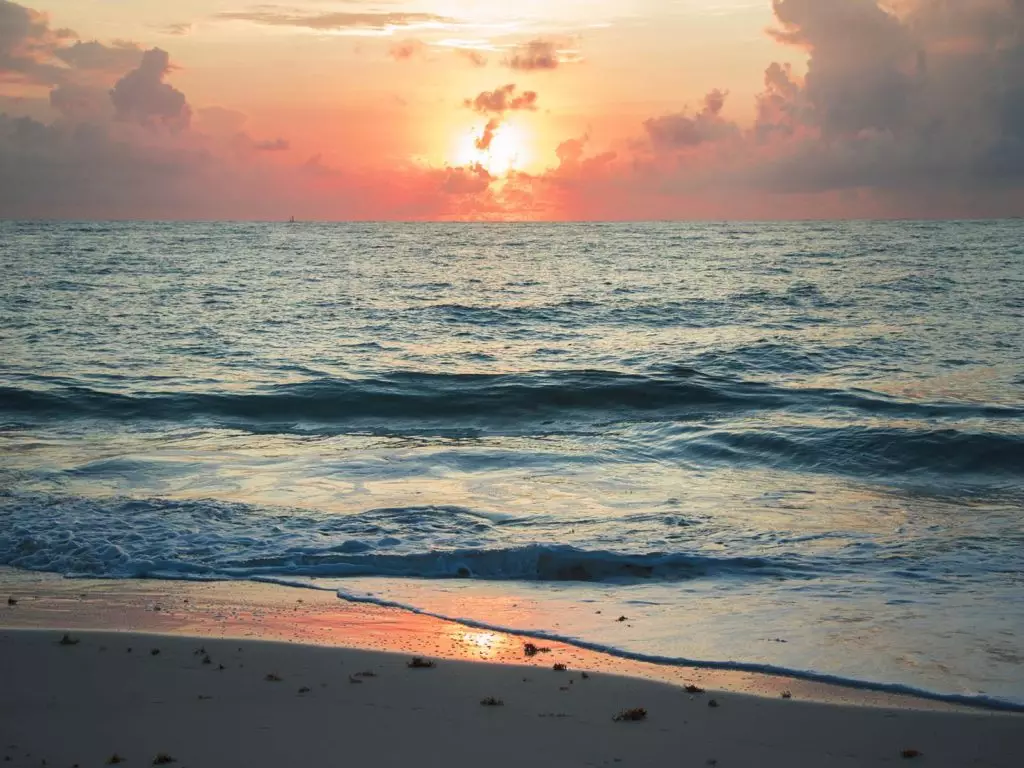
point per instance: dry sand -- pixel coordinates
(221, 702)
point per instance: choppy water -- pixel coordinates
(799, 445)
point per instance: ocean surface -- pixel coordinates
(791, 446)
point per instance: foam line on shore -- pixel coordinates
(982, 701)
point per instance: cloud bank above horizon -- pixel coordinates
(864, 108)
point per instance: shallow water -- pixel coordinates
(799, 445)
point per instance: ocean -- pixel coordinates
(794, 447)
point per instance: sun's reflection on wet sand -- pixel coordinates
(483, 645)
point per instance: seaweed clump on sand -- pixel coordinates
(531, 649)
(68, 640)
(693, 689)
(910, 754)
(490, 701)
(631, 715)
(163, 758)
(419, 663)
(559, 667)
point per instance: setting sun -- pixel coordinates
(508, 148)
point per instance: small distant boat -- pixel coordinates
(291, 220)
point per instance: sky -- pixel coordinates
(519, 111)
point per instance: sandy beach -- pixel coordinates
(246, 675)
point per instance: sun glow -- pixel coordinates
(508, 149)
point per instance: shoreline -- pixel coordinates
(270, 611)
(226, 674)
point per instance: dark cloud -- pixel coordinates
(117, 58)
(279, 16)
(534, 55)
(143, 97)
(32, 53)
(852, 87)
(682, 130)
(932, 96)
(81, 103)
(919, 103)
(27, 44)
(502, 100)
(81, 170)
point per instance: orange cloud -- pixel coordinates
(502, 100)
(406, 49)
(280, 16)
(536, 54)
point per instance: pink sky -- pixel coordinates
(533, 110)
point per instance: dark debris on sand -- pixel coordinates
(163, 758)
(530, 649)
(419, 663)
(631, 715)
(693, 689)
(490, 701)
(910, 754)
(68, 640)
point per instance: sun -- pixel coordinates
(508, 150)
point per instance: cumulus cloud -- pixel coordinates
(32, 53)
(144, 97)
(683, 130)
(81, 103)
(932, 95)
(919, 103)
(502, 100)
(94, 55)
(465, 180)
(534, 55)
(27, 44)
